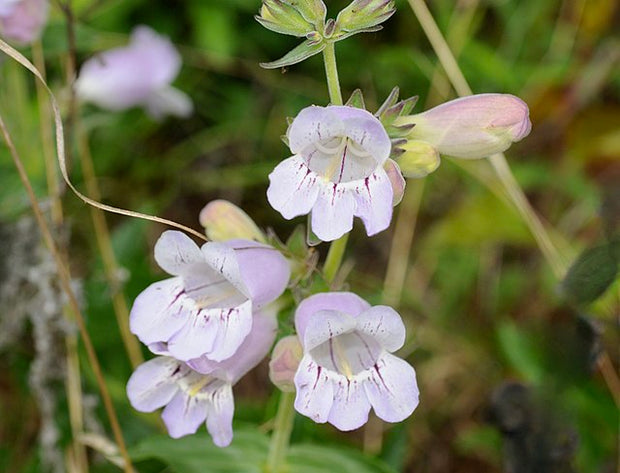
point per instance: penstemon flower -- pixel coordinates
(337, 171)
(206, 308)
(200, 389)
(23, 20)
(469, 127)
(139, 74)
(348, 366)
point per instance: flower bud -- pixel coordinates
(286, 17)
(363, 15)
(225, 221)
(419, 159)
(472, 127)
(285, 359)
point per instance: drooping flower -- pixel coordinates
(469, 127)
(138, 74)
(23, 20)
(200, 389)
(348, 366)
(337, 171)
(206, 308)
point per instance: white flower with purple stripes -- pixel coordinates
(348, 366)
(200, 390)
(206, 308)
(337, 171)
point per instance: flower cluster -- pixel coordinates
(211, 323)
(215, 318)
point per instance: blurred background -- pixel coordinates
(517, 368)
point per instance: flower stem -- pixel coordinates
(331, 71)
(334, 257)
(281, 433)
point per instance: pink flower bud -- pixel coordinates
(472, 127)
(284, 362)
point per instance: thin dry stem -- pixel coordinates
(404, 231)
(73, 382)
(558, 265)
(65, 282)
(104, 242)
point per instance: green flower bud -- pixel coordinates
(418, 159)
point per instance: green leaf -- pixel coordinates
(592, 273)
(305, 50)
(521, 352)
(306, 458)
(198, 454)
(248, 454)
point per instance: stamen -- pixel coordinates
(212, 299)
(355, 149)
(345, 367)
(336, 149)
(196, 387)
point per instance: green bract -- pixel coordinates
(308, 18)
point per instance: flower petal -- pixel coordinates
(157, 53)
(383, 324)
(367, 131)
(220, 415)
(392, 388)
(345, 302)
(332, 215)
(184, 414)
(396, 179)
(168, 101)
(324, 325)
(314, 124)
(159, 311)
(216, 333)
(373, 201)
(351, 406)
(152, 385)
(263, 269)
(24, 20)
(315, 393)
(249, 354)
(223, 259)
(293, 188)
(175, 251)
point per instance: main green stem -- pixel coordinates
(286, 411)
(281, 433)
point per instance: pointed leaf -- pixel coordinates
(305, 50)
(356, 100)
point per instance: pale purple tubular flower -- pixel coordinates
(23, 21)
(138, 74)
(201, 389)
(337, 171)
(348, 366)
(206, 308)
(472, 127)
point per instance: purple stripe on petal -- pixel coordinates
(184, 414)
(152, 385)
(293, 188)
(392, 388)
